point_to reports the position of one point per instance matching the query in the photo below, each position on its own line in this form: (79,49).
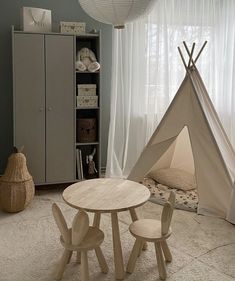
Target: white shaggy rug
(30,246)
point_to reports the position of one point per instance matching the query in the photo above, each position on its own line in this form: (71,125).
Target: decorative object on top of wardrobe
(116,12)
(36,19)
(16,185)
(93,31)
(86,61)
(72,27)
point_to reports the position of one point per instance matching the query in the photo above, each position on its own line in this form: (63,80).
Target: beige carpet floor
(203,248)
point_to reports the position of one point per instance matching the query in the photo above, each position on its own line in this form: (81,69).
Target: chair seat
(92,240)
(148,229)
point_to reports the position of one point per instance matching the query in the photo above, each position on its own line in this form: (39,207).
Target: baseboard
(103,171)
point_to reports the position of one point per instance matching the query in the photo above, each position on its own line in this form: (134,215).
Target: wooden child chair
(150,230)
(80,238)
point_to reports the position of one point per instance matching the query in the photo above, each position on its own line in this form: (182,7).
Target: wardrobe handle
(40,109)
(49,108)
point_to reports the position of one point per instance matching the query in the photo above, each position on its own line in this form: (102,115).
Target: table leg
(117,249)
(133,214)
(96,221)
(134,217)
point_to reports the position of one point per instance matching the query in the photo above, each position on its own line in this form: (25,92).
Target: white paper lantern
(116,12)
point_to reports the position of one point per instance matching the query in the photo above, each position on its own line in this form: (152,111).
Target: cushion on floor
(174,178)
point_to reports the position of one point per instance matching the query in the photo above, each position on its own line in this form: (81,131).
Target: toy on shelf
(86,61)
(92,171)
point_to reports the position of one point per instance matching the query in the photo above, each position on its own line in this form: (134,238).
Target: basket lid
(16,170)
(86,86)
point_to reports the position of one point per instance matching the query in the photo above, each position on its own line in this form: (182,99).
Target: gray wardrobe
(44,104)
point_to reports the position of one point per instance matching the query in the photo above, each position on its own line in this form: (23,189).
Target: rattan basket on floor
(16,185)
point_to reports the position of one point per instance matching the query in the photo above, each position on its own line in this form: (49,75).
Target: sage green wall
(62,10)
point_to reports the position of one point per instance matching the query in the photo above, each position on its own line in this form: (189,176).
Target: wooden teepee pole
(190,54)
(185,65)
(203,46)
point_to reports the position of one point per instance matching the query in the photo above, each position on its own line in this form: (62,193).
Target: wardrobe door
(60,108)
(29,100)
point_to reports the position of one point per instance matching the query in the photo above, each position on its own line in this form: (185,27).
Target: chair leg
(134,217)
(63,261)
(160,261)
(142,247)
(84,267)
(166,251)
(96,221)
(102,262)
(134,254)
(78,257)
(71,252)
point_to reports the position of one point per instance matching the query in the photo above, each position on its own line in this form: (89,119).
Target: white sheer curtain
(147,71)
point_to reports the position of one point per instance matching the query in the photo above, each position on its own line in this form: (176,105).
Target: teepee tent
(190,137)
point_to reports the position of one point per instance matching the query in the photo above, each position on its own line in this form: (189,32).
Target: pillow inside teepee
(174,178)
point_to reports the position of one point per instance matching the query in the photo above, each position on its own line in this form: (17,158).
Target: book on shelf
(79,164)
(81,167)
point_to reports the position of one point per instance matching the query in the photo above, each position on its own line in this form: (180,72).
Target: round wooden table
(108,195)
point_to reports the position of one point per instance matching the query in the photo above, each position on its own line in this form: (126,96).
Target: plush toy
(91,165)
(86,61)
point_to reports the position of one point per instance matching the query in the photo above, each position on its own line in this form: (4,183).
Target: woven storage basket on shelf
(86,130)
(16,185)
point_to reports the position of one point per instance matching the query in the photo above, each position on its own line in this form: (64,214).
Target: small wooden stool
(80,238)
(150,230)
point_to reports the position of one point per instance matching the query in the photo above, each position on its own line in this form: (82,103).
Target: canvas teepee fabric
(191,137)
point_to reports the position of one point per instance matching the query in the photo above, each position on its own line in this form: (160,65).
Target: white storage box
(87,101)
(72,27)
(86,89)
(36,19)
